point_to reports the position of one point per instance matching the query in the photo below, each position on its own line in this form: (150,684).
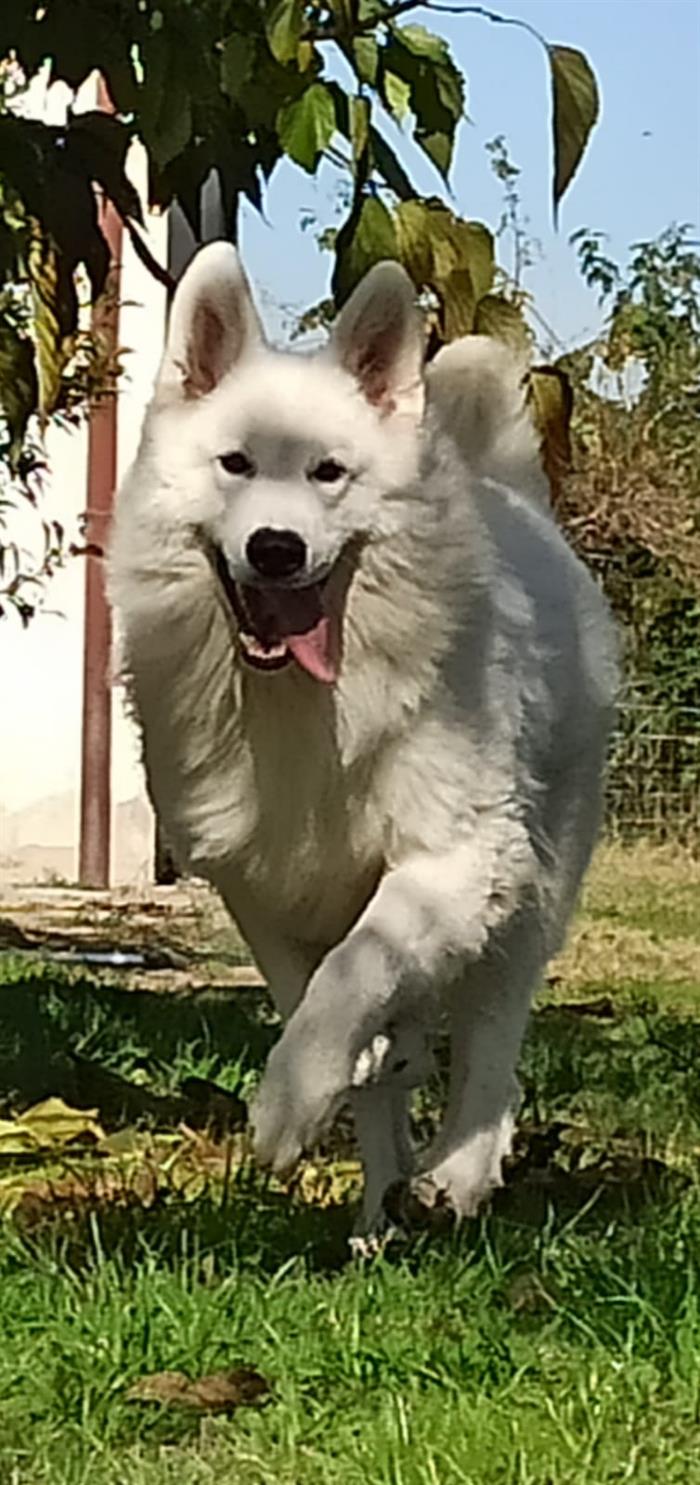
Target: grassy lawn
(554,1342)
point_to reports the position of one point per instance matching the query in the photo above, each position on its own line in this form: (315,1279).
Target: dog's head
(285,463)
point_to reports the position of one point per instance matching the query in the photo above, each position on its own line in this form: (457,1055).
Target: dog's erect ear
(213,322)
(378,338)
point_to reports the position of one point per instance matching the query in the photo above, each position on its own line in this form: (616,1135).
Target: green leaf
(424,43)
(237,59)
(283,28)
(167,122)
(387,165)
(366,57)
(496,316)
(450,85)
(438,148)
(435,88)
(367,237)
(397,95)
(307,125)
(575,108)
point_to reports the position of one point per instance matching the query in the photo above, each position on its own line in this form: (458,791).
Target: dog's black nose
(276,554)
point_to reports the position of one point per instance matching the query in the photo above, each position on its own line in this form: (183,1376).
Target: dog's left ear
(378,337)
(213,323)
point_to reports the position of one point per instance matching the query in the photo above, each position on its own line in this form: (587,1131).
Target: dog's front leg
(428,915)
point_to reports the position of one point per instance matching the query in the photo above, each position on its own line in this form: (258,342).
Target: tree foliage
(234,86)
(632,506)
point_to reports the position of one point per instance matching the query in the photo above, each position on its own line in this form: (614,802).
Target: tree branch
(334,33)
(145,256)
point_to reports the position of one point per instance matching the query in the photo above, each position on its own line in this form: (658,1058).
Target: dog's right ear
(213,323)
(378,337)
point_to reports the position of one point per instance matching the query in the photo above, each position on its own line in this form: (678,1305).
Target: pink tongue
(315,651)
(295,617)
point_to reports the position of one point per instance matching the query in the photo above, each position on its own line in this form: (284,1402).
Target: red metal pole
(95,791)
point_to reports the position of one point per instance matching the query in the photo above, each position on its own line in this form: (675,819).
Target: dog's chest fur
(266,792)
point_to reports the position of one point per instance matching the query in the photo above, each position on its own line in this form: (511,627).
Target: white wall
(41,668)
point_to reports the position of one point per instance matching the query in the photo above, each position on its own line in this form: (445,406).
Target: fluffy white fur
(416,833)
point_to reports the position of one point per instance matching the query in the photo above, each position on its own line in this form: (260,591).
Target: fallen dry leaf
(218,1392)
(49,1125)
(328,1183)
(14,1140)
(52,1123)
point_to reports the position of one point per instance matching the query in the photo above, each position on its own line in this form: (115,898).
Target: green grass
(554,1342)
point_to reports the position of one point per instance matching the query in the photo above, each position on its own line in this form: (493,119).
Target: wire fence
(653,783)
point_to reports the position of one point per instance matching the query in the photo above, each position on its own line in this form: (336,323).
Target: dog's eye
(328,472)
(237,463)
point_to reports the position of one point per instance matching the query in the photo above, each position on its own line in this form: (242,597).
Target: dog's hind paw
(429,1201)
(367,1245)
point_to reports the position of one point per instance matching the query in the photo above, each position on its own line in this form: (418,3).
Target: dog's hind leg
(385,1073)
(380,1112)
(489,1009)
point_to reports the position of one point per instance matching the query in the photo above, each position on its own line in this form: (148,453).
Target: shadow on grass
(253,1227)
(125,1053)
(130,1055)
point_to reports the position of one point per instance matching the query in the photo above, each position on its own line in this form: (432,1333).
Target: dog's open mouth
(278,625)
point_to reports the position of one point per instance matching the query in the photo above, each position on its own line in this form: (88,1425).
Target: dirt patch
(182,934)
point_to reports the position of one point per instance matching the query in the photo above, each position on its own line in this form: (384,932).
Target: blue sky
(641,171)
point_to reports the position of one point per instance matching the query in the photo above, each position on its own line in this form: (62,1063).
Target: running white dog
(375,688)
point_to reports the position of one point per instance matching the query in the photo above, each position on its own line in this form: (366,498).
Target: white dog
(375,688)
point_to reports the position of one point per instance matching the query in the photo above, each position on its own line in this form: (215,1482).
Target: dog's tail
(476,387)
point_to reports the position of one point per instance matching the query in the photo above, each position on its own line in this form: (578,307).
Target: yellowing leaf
(359,126)
(55,306)
(551,403)
(458,303)
(448,255)
(306,54)
(328,1183)
(476,250)
(498,317)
